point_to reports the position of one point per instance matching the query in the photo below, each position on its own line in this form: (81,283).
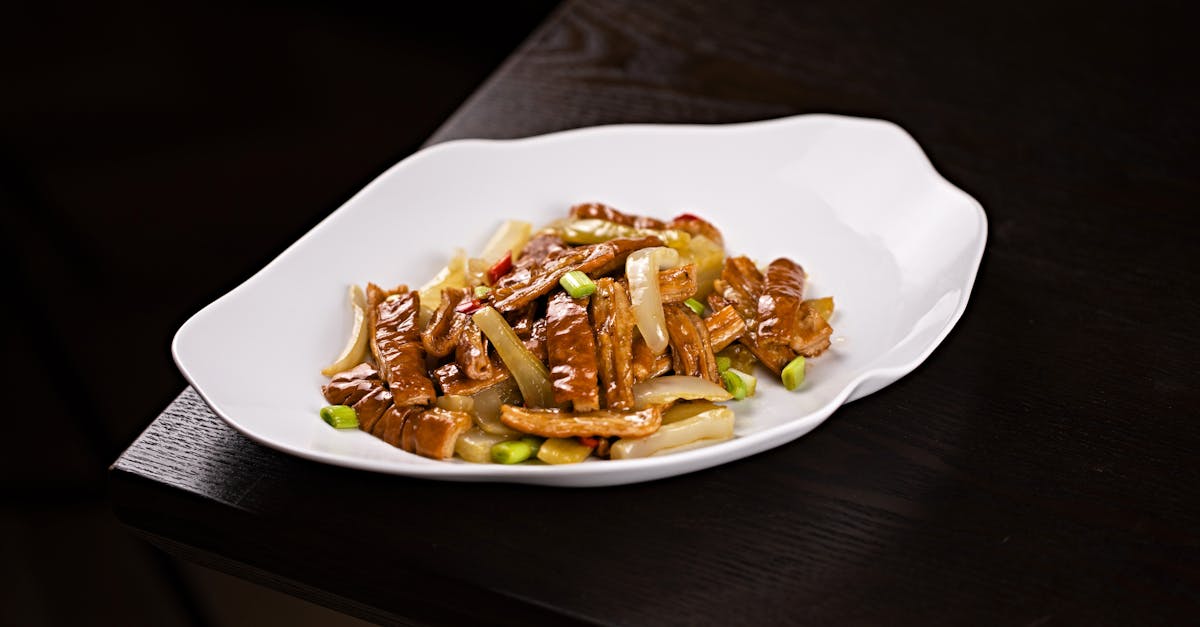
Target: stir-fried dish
(601,335)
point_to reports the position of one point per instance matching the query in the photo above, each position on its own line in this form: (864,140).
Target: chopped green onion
(340,416)
(534,443)
(577,284)
(511,452)
(723,363)
(734,385)
(748,380)
(793,373)
(482,291)
(695,306)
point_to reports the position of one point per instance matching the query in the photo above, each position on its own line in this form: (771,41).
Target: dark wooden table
(1039,468)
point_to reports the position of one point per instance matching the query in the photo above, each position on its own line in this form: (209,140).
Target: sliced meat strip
(522,320)
(539,247)
(647,365)
(441,334)
(471,354)
(554,423)
(347,387)
(433,432)
(691,353)
(725,326)
(571,351)
(773,356)
(537,339)
(783,316)
(391,425)
(453,381)
(545,277)
(592,210)
(675,284)
(370,407)
(741,284)
(612,319)
(396,344)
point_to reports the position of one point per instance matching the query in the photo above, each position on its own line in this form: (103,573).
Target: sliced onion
(641,269)
(453,275)
(356,345)
(716,423)
(511,237)
(676,387)
(531,374)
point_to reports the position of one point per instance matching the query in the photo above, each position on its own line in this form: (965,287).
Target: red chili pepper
(469,306)
(687,216)
(500,268)
(589,441)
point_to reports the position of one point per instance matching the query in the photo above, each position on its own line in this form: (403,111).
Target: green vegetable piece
(340,416)
(481,291)
(793,373)
(734,385)
(534,443)
(577,284)
(511,452)
(748,380)
(695,306)
(723,363)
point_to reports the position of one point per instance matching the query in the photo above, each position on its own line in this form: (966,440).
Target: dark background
(152,157)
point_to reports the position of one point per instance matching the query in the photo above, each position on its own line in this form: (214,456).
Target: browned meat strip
(397,347)
(571,349)
(471,354)
(543,278)
(522,320)
(622,247)
(554,423)
(539,247)
(537,339)
(724,326)
(740,284)
(441,334)
(612,318)
(676,284)
(347,387)
(370,407)
(433,432)
(773,356)
(784,317)
(596,210)
(391,425)
(453,381)
(647,365)
(691,353)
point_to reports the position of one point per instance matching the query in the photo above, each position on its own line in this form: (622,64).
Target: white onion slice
(641,269)
(676,387)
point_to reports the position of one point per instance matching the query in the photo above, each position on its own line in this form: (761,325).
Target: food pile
(601,335)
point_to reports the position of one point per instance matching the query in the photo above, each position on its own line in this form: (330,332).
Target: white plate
(854,201)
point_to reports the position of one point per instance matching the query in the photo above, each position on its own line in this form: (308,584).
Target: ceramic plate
(855,201)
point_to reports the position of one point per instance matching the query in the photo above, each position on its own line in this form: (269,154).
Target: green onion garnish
(723,363)
(482,291)
(793,373)
(748,380)
(695,306)
(340,416)
(511,452)
(577,284)
(734,385)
